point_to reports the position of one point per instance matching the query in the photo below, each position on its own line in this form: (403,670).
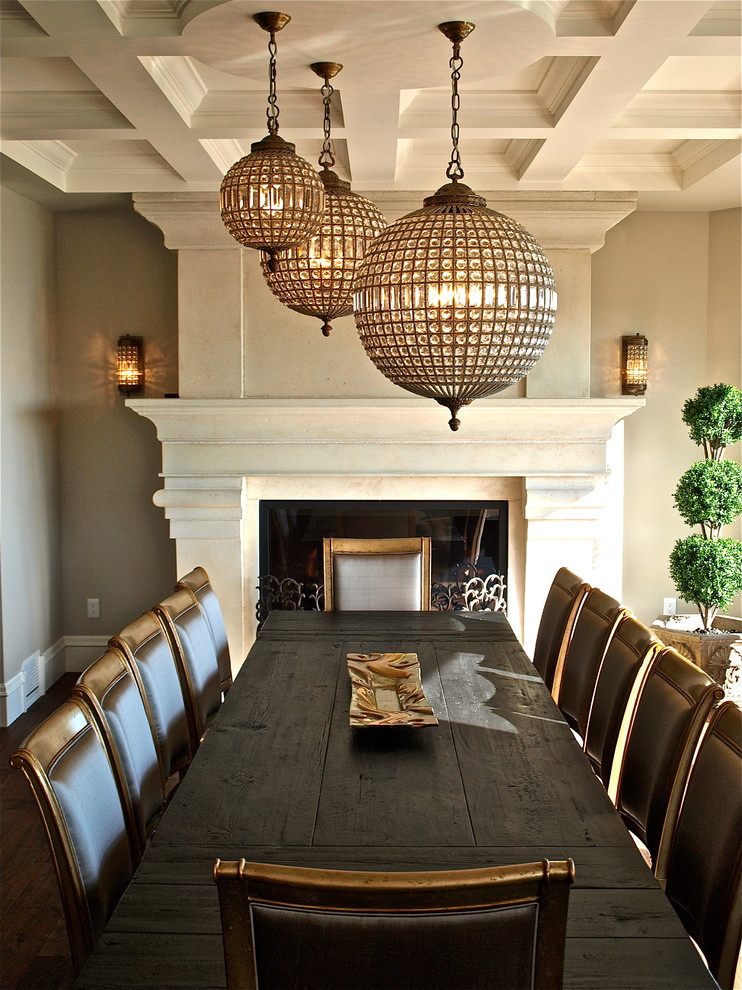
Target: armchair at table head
(188,629)
(67,766)
(704,869)
(199,583)
(110,690)
(497,927)
(563,601)
(374,575)
(150,655)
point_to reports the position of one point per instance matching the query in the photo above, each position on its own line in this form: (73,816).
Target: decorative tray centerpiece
(387,690)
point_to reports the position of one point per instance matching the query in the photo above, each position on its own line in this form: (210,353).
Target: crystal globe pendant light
(454,301)
(271,199)
(316,278)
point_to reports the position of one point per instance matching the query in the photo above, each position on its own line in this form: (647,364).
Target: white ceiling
(121,96)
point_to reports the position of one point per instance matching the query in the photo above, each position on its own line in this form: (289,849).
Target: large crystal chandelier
(316,278)
(272,199)
(455,301)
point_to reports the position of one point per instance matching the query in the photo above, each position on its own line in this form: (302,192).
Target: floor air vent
(31,679)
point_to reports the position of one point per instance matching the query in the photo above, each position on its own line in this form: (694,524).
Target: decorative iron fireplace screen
(469,548)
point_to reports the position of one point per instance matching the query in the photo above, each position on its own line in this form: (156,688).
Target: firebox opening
(469,538)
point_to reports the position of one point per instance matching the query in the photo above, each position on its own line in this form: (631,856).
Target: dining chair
(373,575)
(290,927)
(704,866)
(190,638)
(563,602)
(149,653)
(630,652)
(670,712)
(109,688)
(576,675)
(199,583)
(67,766)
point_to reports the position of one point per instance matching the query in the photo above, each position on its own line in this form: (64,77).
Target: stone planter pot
(718,653)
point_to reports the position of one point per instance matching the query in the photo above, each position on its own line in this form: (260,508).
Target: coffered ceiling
(122,96)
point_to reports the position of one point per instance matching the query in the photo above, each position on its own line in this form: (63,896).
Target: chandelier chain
(326,158)
(272,111)
(455,170)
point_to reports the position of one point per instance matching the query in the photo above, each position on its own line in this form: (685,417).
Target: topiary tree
(707,569)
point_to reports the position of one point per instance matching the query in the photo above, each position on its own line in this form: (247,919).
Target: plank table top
(282,777)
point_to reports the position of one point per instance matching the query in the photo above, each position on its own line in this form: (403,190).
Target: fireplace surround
(558,464)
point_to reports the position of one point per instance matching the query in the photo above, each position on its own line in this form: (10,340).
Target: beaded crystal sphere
(454,301)
(272,199)
(316,278)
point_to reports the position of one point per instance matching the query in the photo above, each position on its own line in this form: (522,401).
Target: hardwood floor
(34,952)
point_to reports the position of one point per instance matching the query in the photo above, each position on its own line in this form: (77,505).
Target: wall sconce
(634,365)
(130,364)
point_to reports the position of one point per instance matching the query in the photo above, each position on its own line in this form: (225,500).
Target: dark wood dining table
(282,777)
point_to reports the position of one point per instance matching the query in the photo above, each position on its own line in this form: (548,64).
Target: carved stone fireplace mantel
(557,461)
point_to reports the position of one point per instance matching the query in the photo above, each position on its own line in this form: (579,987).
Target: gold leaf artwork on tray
(387,690)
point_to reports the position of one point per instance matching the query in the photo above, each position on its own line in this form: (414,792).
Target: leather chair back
(191,640)
(665,727)
(199,583)
(563,602)
(289,927)
(575,678)
(627,659)
(66,764)
(110,690)
(704,868)
(374,575)
(149,653)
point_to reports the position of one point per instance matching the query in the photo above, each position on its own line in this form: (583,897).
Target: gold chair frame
(549,651)
(100,677)
(128,641)
(701,697)
(49,742)
(167,612)
(332,546)
(726,956)
(241,884)
(198,582)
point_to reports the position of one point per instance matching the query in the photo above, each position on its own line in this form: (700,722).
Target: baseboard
(81,651)
(70,654)
(11,700)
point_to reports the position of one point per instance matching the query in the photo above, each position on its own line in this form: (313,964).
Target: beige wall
(114,277)
(30,564)
(660,274)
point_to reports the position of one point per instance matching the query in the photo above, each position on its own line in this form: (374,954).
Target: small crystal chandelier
(272,199)
(455,301)
(316,278)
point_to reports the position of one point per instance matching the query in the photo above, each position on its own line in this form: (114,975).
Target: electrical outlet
(94,608)
(670,607)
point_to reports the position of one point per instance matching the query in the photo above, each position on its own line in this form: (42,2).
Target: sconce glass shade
(634,364)
(455,301)
(130,364)
(316,278)
(272,199)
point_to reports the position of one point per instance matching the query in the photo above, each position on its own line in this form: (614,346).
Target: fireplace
(557,463)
